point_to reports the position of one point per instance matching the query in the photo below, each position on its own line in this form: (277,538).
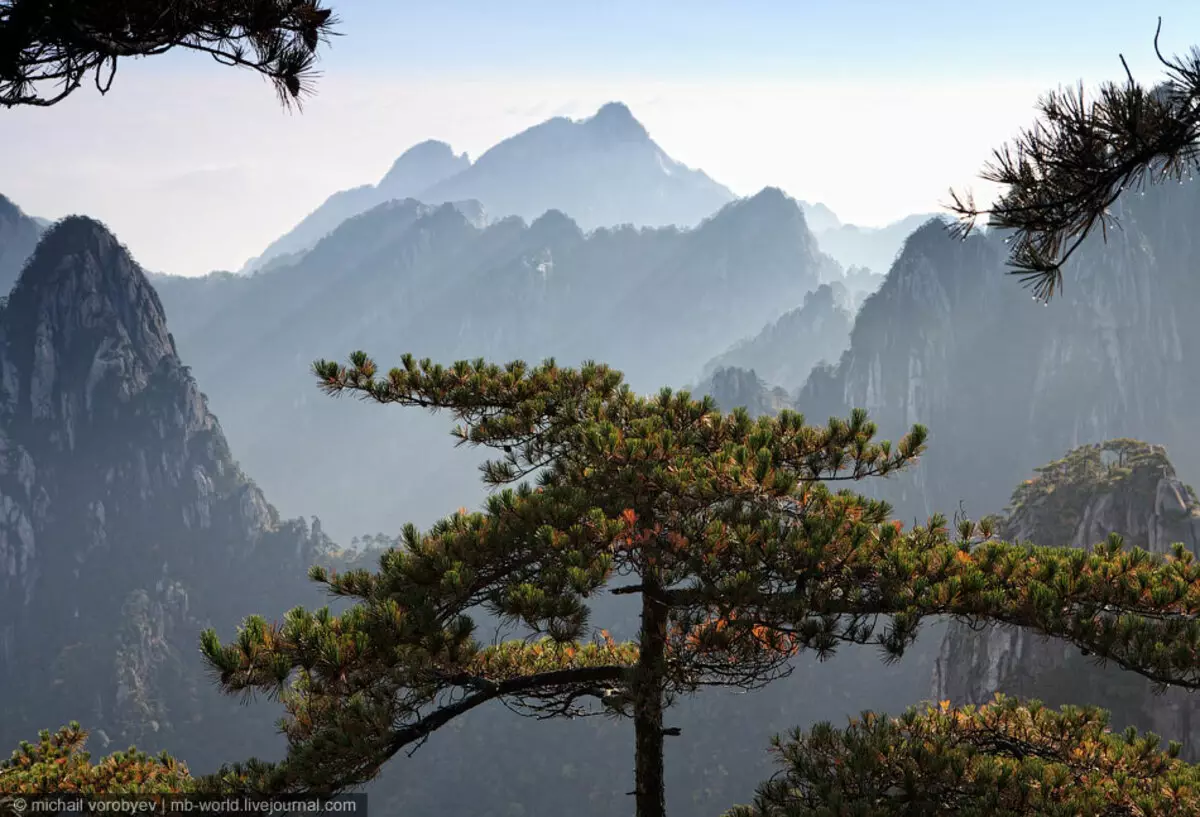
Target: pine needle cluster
(1062,175)
(48,48)
(1004,759)
(58,763)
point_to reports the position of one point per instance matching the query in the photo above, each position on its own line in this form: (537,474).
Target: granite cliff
(1002,381)
(1121,487)
(126,526)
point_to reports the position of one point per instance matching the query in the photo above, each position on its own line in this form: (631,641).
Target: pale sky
(874,108)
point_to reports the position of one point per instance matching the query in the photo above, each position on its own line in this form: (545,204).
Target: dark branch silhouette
(1064,173)
(49,48)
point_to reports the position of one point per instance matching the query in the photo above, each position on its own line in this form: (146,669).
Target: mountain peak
(772,195)
(81,311)
(614,120)
(770,203)
(422,165)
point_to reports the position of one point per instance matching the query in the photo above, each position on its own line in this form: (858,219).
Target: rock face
(655,303)
(604,171)
(1002,381)
(125,524)
(1123,487)
(18,236)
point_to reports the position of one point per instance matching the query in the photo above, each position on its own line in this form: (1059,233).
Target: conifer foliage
(1062,175)
(728,533)
(49,48)
(57,763)
(1000,760)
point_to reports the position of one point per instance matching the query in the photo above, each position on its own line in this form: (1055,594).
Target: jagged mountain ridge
(19,235)
(603,171)
(125,524)
(1122,487)
(410,277)
(785,352)
(417,169)
(953,342)
(872,247)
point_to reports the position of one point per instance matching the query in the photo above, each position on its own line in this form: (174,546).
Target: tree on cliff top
(724,529)
(48,48)
(1062,174)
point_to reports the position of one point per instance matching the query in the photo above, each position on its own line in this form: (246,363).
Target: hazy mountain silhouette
(603,171)
(19,235)
(785,351)
(872,247)
(417,168)
(410,277)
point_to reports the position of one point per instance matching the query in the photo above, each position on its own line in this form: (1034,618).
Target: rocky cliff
(1002,381)
(1123,487)
(125,524)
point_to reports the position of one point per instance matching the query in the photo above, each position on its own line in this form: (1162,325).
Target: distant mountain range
(872,247)
(127,523)
(604,171)
(410,277)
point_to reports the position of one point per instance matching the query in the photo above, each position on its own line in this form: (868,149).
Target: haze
(872,108)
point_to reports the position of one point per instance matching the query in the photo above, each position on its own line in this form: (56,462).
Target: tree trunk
(648,708)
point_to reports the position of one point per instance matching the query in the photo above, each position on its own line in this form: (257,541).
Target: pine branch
(1063,174)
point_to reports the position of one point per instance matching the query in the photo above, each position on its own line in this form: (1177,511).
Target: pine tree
(724,529)
(57,763)
(60,44)
(1062,175)
(1004,759)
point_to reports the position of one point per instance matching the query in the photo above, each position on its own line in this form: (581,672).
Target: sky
(875,108)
